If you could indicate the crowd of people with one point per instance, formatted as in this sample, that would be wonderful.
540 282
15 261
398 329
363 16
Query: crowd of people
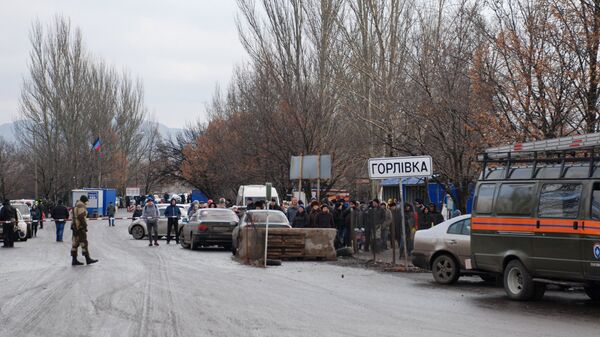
369 222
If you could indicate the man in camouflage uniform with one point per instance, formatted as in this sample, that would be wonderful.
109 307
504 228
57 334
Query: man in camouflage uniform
79 227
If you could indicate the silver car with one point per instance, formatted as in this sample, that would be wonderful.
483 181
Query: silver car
138 228
445 249
257 219
209 227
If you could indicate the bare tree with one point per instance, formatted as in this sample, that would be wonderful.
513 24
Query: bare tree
69 99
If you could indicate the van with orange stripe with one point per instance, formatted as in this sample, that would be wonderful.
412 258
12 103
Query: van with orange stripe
536 216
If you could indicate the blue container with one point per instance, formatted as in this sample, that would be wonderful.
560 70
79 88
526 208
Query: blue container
199 196
110 195
103 196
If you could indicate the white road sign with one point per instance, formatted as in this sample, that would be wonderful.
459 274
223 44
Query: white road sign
399 167
132 191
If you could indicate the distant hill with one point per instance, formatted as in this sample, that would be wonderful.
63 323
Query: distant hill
7 131
165 131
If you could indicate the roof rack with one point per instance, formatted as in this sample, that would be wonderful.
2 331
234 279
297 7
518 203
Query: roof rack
580 148
570 143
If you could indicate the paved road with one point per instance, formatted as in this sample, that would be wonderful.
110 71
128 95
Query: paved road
136 290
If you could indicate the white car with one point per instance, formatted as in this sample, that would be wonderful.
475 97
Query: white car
26 213
138 228
21 227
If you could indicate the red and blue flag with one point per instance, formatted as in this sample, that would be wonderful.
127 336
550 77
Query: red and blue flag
97 145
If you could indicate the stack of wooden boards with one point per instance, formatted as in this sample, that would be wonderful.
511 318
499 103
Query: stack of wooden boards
284 245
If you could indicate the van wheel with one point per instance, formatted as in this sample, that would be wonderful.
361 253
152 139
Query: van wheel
445 269
593 292
518 283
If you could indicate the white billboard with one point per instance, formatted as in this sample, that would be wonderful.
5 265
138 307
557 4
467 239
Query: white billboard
132 191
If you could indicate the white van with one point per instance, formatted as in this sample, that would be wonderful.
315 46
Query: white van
256 192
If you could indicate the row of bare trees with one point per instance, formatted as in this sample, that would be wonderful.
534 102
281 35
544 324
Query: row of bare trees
367 78
70 98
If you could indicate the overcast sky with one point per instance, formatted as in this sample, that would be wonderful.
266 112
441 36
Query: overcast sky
180 49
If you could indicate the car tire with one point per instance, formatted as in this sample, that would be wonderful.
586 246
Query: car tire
137 232
593 292
445 269
182 241
519 284
192 245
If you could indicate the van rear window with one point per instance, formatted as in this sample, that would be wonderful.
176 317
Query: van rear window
485 196
559 201
515 199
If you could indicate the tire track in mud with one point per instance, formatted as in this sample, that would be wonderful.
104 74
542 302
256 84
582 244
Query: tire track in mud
34 308
163 266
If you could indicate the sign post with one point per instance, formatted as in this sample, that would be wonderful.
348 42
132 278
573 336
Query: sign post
310 167
269 186
401 167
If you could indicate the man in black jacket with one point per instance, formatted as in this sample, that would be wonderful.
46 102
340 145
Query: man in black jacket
375 220
173 214
60 214
324 219
8 217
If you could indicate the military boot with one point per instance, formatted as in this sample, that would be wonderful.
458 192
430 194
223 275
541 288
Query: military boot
89 260
76 262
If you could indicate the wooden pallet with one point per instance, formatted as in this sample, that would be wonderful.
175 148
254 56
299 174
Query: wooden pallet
283 246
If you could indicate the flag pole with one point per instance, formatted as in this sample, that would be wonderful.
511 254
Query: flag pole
99 169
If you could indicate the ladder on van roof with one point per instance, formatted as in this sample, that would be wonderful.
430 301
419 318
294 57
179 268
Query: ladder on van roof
557 150
570 143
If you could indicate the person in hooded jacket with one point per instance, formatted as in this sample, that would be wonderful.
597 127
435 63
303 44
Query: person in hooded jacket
375 220
60 214
409 226
36 218
324 219
436 217
194 207
8 217
301 218
137 213
351 217
315 210
173 214
386 227
338 219
425 220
